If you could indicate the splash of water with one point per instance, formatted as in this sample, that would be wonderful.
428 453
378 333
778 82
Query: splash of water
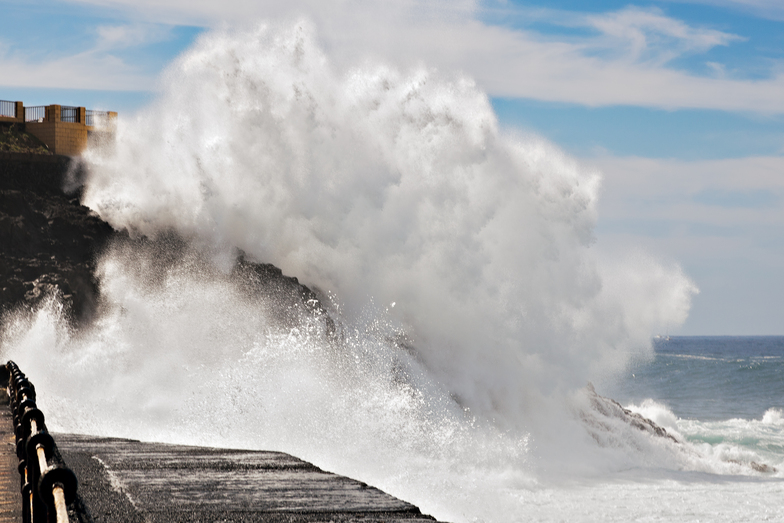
460 258
395 186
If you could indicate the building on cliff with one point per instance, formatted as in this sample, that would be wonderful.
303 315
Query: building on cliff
65 130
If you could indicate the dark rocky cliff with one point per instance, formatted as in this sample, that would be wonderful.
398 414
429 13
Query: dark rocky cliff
48 241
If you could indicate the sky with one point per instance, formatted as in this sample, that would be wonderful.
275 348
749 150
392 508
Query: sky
680 104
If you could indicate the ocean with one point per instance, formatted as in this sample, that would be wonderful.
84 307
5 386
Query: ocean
726 392
473 305
711 378
723 397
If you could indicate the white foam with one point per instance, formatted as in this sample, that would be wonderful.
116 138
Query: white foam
395 186
656 412
376 186
773 417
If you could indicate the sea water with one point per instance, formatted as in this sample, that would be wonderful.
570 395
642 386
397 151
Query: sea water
721 395
710 378
472 302
724 394
723 398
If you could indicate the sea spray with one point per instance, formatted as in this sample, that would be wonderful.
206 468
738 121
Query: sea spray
456 259
398 187
183 352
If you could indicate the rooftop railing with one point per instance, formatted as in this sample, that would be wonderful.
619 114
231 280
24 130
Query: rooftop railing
69 114
92 117
36 113
64 129
7 108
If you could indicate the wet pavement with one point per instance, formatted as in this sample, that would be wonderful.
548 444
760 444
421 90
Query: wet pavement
131 481
10 483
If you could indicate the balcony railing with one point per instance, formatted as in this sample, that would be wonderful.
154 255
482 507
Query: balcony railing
37 113
7 108
69 114
95 117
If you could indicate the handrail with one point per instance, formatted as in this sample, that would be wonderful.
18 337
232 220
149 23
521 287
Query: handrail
48 486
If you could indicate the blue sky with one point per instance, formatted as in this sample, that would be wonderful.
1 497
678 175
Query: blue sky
680 104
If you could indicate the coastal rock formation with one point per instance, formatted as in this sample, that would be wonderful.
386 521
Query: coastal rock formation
48 241
609 409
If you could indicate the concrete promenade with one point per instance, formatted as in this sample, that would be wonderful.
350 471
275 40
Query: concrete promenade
129 481
122 480
10 483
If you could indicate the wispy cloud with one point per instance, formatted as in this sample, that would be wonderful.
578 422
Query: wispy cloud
648 36
624 57
130 35
86 70
632 33
744 195
523 63
723 220
98 66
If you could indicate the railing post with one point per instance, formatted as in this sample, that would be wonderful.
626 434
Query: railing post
82 115
20 113
53 113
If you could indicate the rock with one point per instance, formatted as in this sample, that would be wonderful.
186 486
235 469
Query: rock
50 243
611 409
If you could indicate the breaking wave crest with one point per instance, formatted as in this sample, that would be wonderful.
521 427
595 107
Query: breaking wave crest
456 260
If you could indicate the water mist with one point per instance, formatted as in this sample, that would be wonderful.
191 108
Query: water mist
456 259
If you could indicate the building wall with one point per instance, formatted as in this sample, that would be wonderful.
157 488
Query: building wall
66 138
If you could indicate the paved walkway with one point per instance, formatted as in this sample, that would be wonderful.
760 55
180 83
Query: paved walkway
10 484
135 482
129 481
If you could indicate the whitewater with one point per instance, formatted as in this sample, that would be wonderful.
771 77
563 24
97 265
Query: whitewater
464 304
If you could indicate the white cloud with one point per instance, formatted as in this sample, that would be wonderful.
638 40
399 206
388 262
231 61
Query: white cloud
650 37
722 220
674 190
633 33
130 35
97 67
698 212
626 63
87 70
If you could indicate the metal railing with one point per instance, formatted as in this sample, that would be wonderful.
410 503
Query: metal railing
7 108
37 113
48 486
92 117
69 114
